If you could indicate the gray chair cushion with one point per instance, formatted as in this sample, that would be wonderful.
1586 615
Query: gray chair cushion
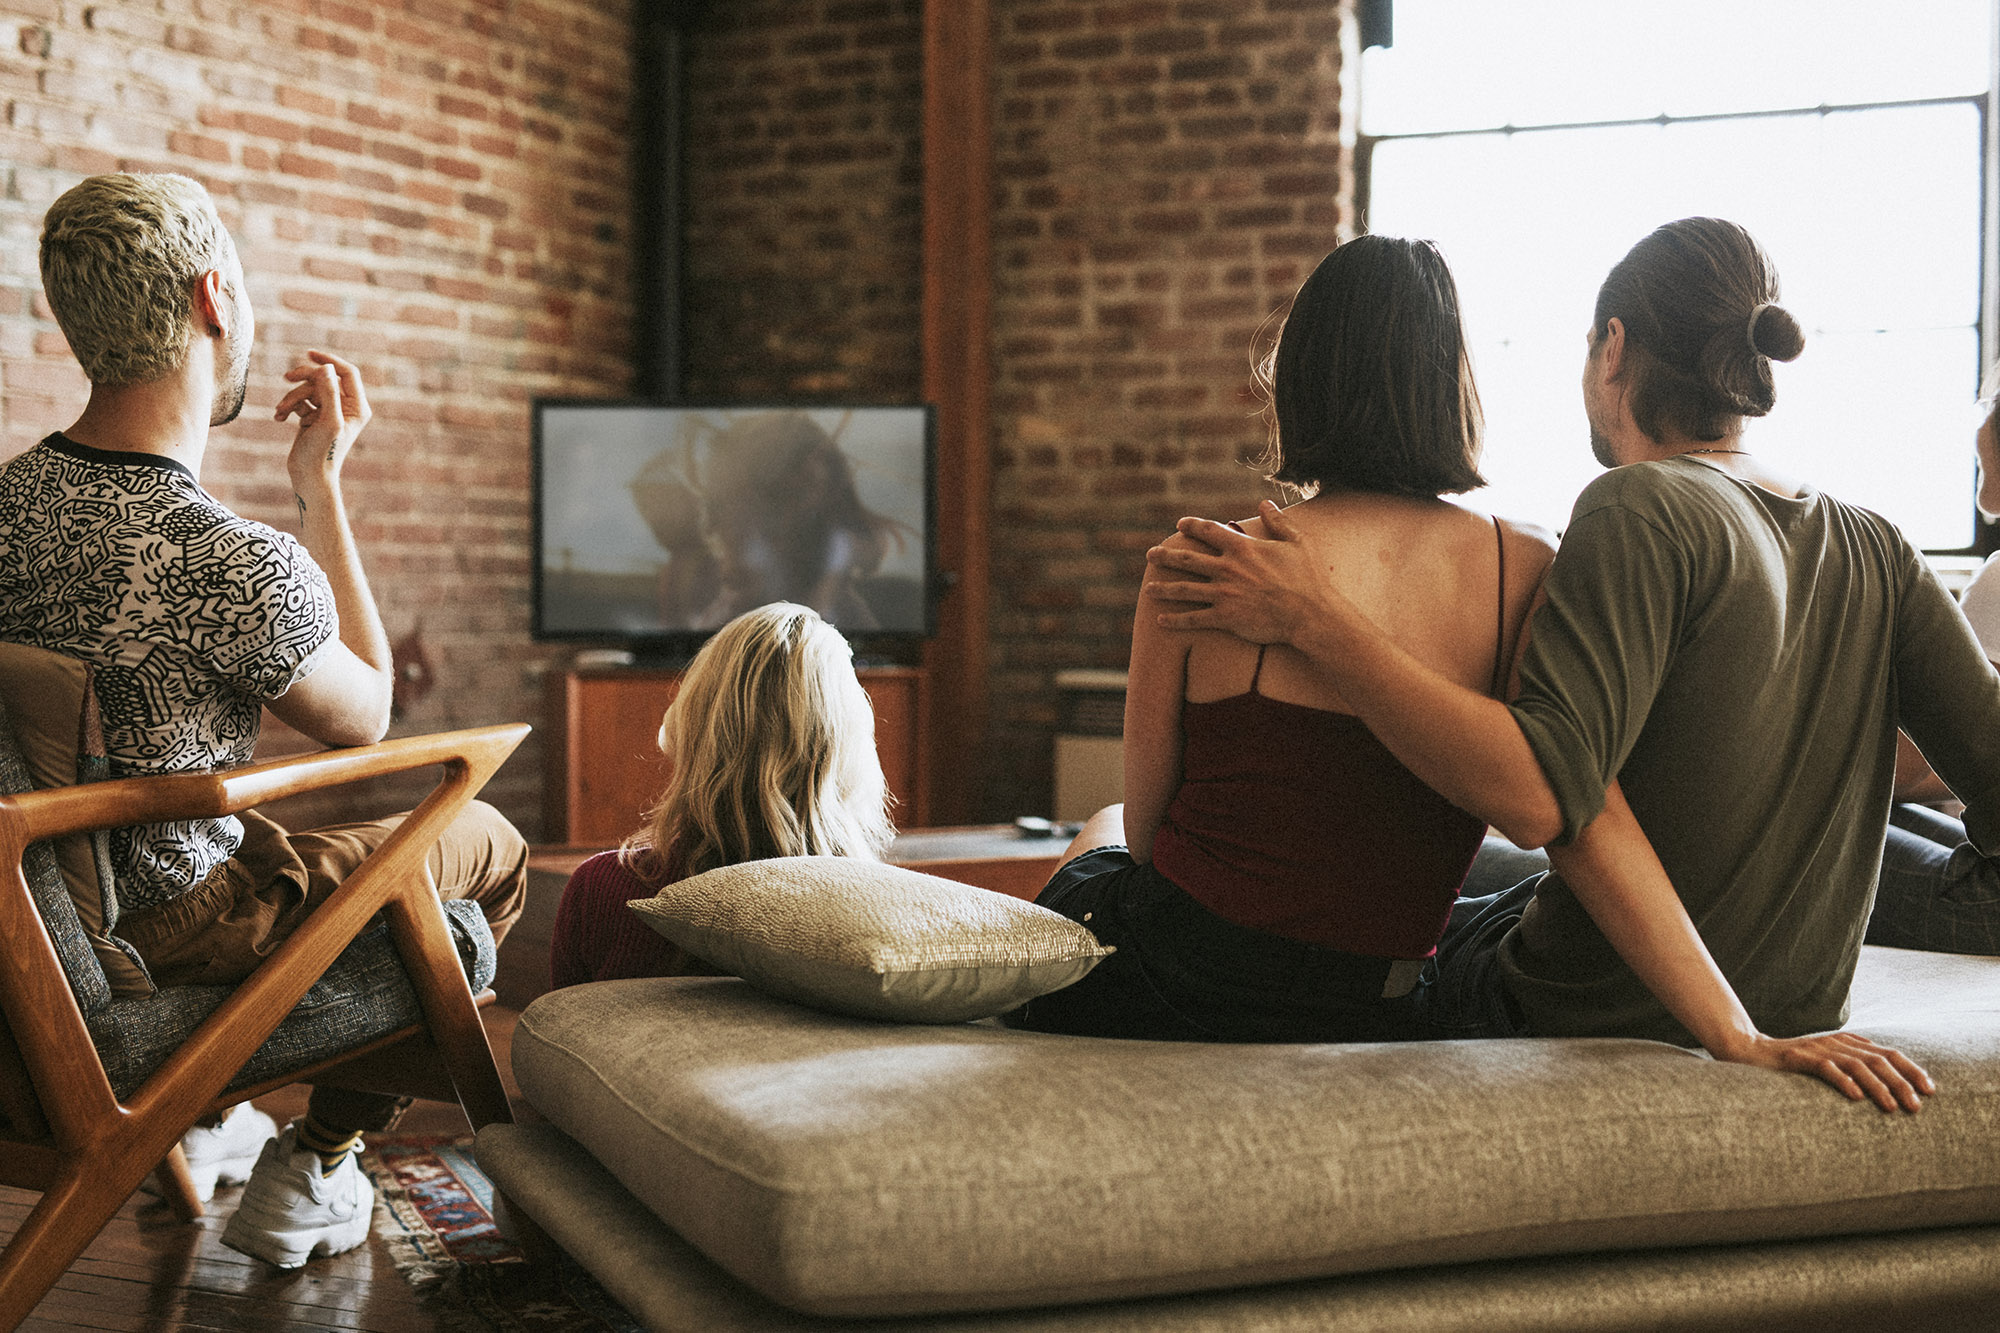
364 995
847 1167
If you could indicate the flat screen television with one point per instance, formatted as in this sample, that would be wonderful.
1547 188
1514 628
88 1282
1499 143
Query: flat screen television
656 525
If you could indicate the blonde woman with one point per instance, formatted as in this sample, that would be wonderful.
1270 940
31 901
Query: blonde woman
772 742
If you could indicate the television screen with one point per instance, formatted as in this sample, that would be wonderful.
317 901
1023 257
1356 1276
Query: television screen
664 523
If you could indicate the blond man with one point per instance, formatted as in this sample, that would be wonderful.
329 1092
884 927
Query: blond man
193 620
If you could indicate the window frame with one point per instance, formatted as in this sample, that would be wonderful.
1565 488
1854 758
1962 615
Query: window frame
1986 533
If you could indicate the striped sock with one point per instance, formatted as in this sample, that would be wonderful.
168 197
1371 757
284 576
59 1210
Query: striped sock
331 1145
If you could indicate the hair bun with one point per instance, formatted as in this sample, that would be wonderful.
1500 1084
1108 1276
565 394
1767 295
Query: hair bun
1774 333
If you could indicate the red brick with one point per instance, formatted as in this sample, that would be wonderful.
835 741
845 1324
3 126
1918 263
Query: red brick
298 164
430 192
451 105
333 43
353 16
198 145
493 145
323 136
374 118
397 217
374 182
457 289
435 132
84 161
336 270
267 127
429 316
313 302
304 99
456 168
398 153
1049 18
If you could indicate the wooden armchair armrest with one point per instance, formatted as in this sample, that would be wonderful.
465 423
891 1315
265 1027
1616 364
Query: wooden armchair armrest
473 754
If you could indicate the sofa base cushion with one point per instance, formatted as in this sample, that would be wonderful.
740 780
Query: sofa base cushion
1940 1280
846 1167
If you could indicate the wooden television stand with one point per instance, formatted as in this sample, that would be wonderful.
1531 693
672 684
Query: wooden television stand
604 766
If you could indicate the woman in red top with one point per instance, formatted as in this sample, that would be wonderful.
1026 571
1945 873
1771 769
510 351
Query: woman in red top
1276 874
773 745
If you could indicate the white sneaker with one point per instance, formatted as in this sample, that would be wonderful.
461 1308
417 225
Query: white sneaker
223 1154
289 1212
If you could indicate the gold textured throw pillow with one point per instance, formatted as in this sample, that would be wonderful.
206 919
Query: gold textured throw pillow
872 940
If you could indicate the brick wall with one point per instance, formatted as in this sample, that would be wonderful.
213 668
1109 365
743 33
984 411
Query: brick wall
440 191
436 190
804 182
1168 172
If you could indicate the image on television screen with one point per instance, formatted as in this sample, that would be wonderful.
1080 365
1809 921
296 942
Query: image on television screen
665 520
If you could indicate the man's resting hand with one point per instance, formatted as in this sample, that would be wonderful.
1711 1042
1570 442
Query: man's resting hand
1850 1062
1260 589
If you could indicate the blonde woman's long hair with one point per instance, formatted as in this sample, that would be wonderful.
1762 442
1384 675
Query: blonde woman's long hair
772 742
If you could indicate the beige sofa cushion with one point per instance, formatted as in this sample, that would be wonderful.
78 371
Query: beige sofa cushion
845 1167
1940 1280
872 940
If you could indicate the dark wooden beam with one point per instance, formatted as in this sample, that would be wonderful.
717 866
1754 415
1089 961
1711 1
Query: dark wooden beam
958 278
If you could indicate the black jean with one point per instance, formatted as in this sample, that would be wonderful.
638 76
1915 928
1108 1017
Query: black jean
1182 973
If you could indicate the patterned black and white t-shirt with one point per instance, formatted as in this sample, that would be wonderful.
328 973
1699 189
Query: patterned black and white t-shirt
192 615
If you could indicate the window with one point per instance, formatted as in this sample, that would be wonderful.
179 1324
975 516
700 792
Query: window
1536 143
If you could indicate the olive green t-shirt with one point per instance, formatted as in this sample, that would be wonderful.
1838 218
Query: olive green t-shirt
1741 662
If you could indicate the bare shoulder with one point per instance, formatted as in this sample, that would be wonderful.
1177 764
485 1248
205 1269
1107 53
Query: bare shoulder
1531 540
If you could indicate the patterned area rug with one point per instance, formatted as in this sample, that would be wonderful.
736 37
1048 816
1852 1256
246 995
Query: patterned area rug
434 1209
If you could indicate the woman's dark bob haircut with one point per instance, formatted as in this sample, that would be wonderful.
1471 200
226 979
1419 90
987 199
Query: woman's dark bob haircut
1369 387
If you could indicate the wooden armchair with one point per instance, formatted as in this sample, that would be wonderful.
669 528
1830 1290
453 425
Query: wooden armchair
96 1088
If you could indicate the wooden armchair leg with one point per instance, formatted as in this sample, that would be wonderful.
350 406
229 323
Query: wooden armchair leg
449 1010
177 1186
59 1228
468 1058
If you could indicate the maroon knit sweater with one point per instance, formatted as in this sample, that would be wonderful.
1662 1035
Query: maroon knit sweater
598 938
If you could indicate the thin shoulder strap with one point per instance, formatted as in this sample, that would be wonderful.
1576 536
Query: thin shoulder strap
1500 664
1258 673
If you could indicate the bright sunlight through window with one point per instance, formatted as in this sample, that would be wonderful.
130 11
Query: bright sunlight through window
1536 142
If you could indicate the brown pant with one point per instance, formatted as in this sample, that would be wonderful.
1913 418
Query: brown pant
218 932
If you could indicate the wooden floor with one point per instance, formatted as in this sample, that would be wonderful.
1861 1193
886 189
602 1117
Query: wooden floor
147 1272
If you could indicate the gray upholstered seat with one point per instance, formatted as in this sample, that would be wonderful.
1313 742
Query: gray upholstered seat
364 995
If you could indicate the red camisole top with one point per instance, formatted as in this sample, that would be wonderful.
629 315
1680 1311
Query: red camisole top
1296 821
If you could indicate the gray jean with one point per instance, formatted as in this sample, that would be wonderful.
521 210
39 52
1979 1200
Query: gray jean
1936 891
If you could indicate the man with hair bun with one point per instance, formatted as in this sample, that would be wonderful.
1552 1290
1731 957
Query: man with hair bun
191 621
1722 653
